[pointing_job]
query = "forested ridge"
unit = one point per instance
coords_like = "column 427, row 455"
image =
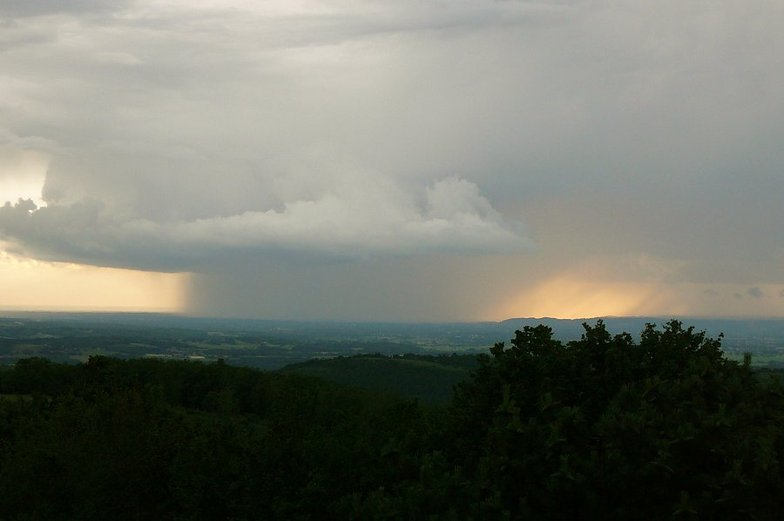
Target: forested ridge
column 605, row 427
column 428, row 378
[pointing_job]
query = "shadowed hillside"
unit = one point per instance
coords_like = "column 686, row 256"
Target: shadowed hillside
column 427, row 378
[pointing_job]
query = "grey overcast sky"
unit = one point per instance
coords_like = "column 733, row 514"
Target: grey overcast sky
column 401, row 160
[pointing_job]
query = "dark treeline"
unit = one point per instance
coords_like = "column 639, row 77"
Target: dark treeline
column 600, row 428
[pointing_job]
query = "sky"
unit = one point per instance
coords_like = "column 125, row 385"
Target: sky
column 366, row 160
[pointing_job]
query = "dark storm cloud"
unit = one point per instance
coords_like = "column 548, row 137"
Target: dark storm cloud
column 203, row 134
column 182, row 133
column 24, row 8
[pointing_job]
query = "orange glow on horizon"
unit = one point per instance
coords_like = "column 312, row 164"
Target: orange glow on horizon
column 31, row 285
column 570, row 297
column 567, row 297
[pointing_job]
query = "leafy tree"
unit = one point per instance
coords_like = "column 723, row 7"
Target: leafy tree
column 604, row 428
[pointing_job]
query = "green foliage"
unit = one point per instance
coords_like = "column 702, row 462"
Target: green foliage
column 603, row 427
column 146, row 439
column 429, row 379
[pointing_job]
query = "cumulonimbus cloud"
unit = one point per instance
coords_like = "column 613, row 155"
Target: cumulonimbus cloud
column 362, row 220
column 178, row 132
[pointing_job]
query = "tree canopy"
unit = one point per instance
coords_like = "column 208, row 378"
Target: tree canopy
column 610, row 427
column 615, row 429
